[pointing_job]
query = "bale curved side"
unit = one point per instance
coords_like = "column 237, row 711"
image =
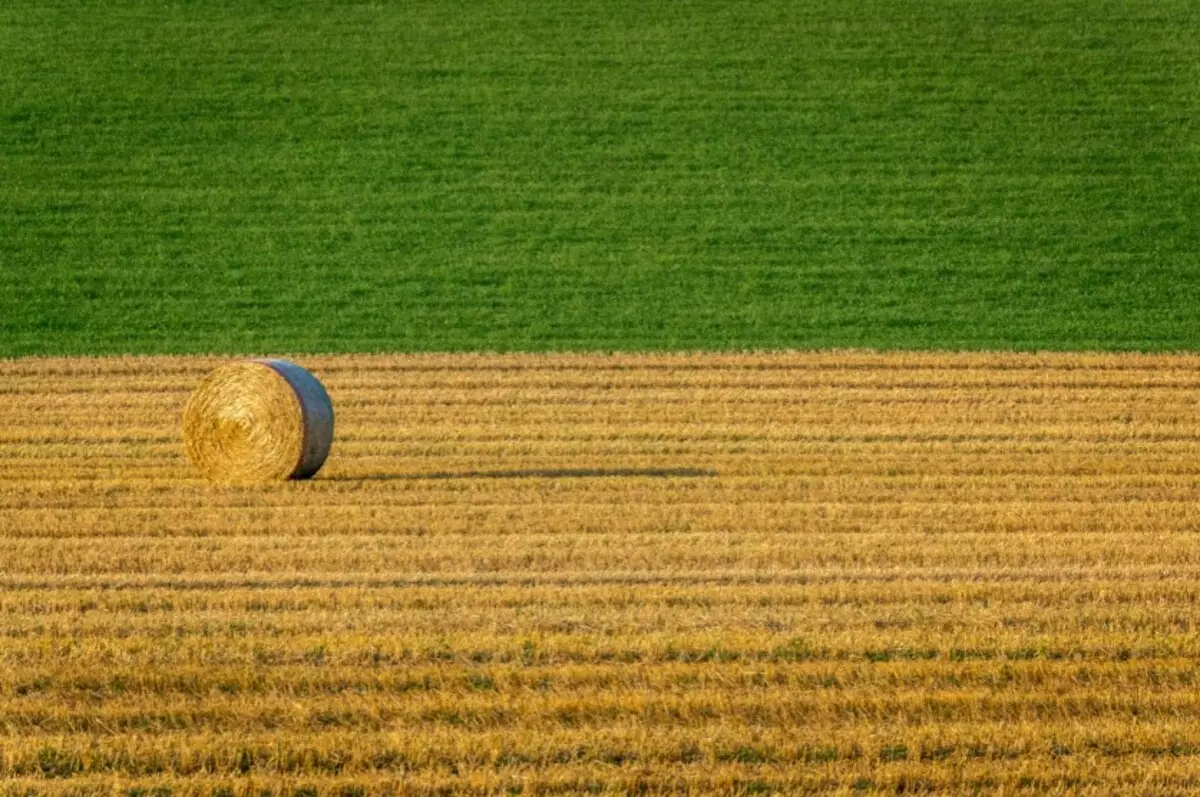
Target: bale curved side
column 317, row 412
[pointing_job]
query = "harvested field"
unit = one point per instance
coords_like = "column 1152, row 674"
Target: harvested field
column 666, row 574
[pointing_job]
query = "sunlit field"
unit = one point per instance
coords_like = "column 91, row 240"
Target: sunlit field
column 654, row 574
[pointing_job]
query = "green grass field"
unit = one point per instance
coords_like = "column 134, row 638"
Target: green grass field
column 599, row 174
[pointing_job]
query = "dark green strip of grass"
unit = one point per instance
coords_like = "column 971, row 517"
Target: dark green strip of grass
column 599, row 174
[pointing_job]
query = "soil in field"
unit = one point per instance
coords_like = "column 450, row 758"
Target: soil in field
column 838, row 571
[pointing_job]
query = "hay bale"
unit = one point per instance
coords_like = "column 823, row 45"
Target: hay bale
column 261, row 420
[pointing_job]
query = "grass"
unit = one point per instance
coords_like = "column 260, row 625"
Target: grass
column 605, row 174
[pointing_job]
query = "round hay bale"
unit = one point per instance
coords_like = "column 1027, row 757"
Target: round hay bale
column 261, row 420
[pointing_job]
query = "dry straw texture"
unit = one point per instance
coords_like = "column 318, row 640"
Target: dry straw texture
column 263, row 420
column 834, row 572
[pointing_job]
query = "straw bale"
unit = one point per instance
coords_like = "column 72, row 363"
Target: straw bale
column 260, row 420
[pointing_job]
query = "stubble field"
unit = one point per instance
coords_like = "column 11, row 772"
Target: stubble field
column 563, row 573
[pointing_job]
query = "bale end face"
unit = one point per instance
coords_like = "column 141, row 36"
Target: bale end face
column 262, row 420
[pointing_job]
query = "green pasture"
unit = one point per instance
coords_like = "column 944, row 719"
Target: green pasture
column 255, row 176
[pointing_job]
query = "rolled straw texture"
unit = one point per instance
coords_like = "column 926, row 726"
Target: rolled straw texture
column 261, row 420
